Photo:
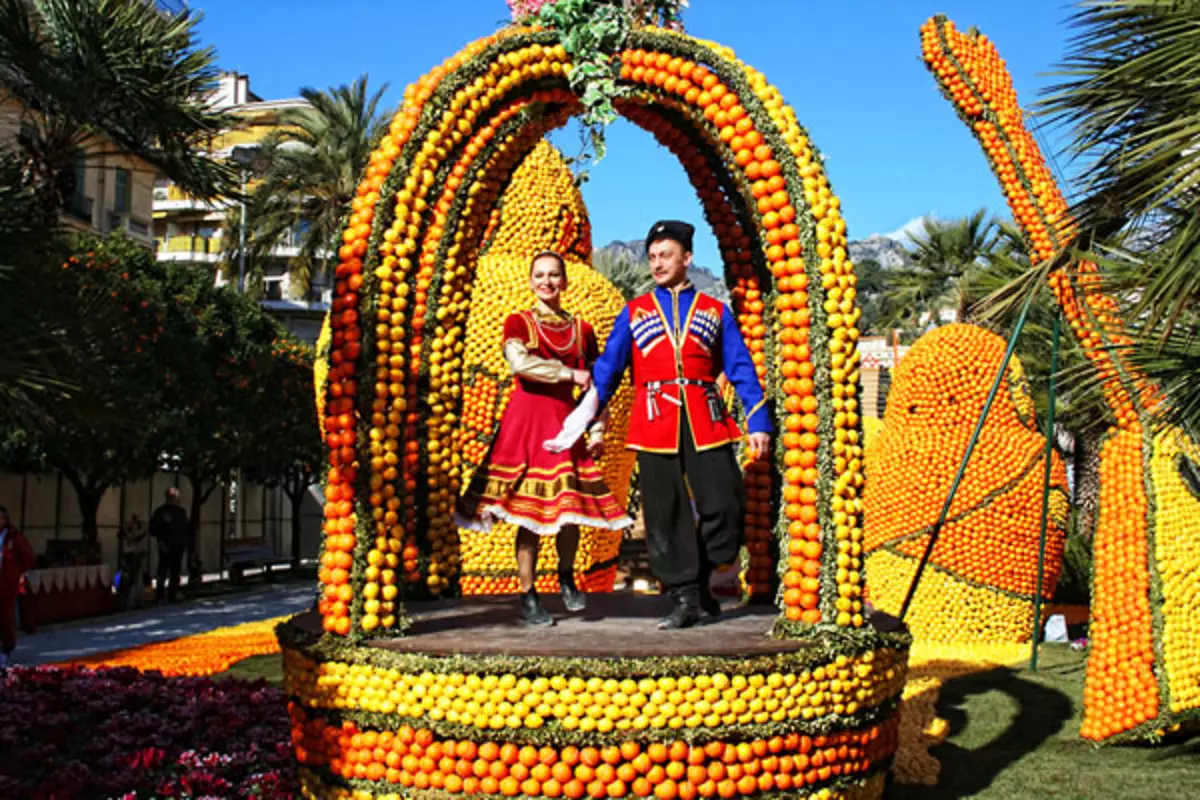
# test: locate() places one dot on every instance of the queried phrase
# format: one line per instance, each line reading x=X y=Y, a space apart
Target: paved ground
x=161 y=623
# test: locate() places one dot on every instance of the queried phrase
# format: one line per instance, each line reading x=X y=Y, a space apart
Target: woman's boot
x=535 y=615
x=573 y=599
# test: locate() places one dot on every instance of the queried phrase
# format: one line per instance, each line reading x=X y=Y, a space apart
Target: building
x=192 y=231
x=113 y=190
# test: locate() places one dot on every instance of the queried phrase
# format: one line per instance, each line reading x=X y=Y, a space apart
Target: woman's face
x=548 y=279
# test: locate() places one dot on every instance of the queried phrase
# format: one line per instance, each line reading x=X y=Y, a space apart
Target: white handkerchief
x=576 y=423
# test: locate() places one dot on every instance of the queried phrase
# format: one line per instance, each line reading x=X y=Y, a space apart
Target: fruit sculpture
x=982 y=576
x=1143 y=672
x=814 y=713
x=540 y=210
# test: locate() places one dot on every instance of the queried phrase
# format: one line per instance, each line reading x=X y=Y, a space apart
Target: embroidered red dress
x=520 y=481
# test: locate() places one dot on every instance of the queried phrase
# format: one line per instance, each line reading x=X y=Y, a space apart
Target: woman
x=544 y=493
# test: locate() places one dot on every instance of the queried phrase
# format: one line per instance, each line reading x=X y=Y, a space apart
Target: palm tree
x=1131 y=96
x=124 y=71
x=630 y=276
x=307 y=173
x=116 y=71
x=945 y=258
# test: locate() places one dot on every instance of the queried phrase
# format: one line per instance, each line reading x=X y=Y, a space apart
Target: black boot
x=573 y=599
x=710 y=605
x=686 y=612
x=535 y=615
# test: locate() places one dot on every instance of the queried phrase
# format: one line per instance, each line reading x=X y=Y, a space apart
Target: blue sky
x=852 y=71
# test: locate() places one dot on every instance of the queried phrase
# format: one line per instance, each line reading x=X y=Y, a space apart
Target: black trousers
x=170 y=565
x=680 y=550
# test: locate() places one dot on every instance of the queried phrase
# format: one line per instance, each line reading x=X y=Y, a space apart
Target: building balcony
x=195 y=249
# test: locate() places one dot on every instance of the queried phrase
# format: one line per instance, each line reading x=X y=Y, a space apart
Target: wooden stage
x=613 y=626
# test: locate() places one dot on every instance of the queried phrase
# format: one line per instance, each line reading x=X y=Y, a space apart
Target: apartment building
x=193 y=232
x=113 y=190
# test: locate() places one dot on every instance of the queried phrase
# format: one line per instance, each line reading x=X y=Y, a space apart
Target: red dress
x=521 y=481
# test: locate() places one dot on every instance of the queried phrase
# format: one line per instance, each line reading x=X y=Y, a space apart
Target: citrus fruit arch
x=1143 y=670
x=818 y=718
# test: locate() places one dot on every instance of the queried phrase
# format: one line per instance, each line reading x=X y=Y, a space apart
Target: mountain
x=888 y=253
x=634 y=252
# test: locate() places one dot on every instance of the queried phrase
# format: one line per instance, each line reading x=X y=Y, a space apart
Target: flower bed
x=127 y=734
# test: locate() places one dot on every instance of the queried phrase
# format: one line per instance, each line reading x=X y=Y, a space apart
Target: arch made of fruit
x=405 y=281
x=1143 y=672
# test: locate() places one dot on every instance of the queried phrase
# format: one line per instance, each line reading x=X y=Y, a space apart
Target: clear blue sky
x=851 y=70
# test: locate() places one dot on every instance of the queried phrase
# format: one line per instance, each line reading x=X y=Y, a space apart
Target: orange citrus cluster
x=973 y=75
x=1121 y=691
x=540 y=209
x=200 y=655
x=781 y=233
x=983 y=571
x=970 y=70
x=416 y=758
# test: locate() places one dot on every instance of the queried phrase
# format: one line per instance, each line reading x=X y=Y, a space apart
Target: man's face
x=669 y=262
x=173 y=498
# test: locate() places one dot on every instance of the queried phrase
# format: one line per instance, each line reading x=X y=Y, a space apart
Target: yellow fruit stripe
x=321 y=370
x=846 y=686
x=947 y=608
x=1177 y=551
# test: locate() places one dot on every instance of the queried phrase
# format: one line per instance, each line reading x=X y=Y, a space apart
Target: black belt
x=716 y=409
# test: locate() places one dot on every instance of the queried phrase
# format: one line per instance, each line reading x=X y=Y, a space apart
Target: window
x=123 y=198
x=80 y=204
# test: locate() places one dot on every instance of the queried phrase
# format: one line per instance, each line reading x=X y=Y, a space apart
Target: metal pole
x=962 y=467
x=242 y=239
x=1037 y=597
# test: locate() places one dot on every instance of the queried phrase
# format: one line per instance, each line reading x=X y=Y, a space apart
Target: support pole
x=1037 y=595
x=962 y=467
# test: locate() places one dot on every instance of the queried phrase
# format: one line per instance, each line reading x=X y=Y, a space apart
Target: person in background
x=135 y=562
x=169 y=526
x=16 y=558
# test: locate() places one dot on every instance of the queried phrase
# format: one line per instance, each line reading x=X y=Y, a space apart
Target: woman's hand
x=595 y=446
x=581 y=378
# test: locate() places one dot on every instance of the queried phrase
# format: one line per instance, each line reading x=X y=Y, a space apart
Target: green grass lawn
x=1014 y=736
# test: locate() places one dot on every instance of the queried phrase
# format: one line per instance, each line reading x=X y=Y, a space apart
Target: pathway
x=161 y=623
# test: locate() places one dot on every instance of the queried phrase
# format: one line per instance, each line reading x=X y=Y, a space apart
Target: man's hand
x=760 y=445
x=581 y=378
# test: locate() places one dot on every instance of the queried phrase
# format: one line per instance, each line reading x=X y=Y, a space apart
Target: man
x=16 y=558
x=679 y=341
x=169 y=525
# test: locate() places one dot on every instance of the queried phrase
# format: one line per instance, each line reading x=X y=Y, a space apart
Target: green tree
x=288 y=451
x=116 y=76
x=946 y=256
x=631 y=277
x=222 y=364
x=1130 y=95
x=306 y=174
x=105 y=317
x=871 y=285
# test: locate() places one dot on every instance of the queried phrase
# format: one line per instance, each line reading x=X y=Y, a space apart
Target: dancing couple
x=541 y=477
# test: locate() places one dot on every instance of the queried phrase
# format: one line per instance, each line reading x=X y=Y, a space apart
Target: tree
x=289 y=452
x=307 y=172
x=871 y=283
x=1130 y=94
x=945 y=257
x=631 y=277
x=119 y=70
x=104 y=315
x=117 y=76
x=209 y=416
